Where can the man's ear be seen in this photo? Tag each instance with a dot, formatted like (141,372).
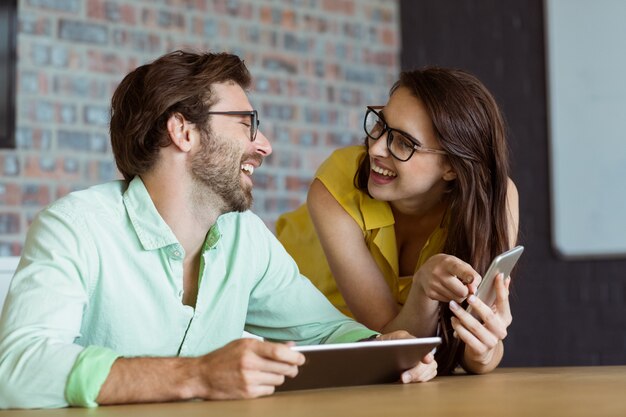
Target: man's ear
(179,131)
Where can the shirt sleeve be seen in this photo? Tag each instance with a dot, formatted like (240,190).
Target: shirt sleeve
(39,360)
(337,174)
(285,306)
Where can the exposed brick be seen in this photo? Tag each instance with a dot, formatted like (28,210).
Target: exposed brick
(316,64)
(82,141)
(72,6)
(10,248)
(101,171)
(9,165)
(84,32)
(280,63)
(33,82)
(138,41)
(338,6)
(162,19)
(51,167)
(96,115)
(10,194)
(197,5)
(298,184)
(34,25)
(9,223)
(108,62)
(35,195)
(112,11)
(235,8)
(79,86)
(33,138)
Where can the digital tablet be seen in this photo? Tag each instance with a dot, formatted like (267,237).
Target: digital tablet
(359,363)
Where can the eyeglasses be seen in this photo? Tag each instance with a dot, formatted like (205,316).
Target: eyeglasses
(400,144)
(254,119)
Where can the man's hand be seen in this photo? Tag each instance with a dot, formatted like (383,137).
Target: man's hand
(246,368)
(423,371)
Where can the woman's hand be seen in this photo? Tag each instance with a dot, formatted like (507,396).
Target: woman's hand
(446,277)
(483,341)
(424,371)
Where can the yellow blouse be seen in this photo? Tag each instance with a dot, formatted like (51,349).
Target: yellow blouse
(296,232)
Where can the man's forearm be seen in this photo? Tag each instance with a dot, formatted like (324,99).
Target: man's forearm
(138,380)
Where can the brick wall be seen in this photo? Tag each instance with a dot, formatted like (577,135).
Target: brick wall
(316,64)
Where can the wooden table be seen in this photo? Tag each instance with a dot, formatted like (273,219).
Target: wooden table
(529,392)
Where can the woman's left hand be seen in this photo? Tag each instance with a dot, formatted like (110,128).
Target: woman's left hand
(483,341)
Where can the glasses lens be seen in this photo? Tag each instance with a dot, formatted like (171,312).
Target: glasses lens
(374,126)
(254,125)
(400,146)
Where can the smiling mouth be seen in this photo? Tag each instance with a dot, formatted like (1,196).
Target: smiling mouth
(248,169)
(383,171)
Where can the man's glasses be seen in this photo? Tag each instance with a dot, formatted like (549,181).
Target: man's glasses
(254,120)
(400,144)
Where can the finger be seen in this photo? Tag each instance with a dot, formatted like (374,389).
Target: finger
(495,321)
(452,290)
(502,300)
(276,368)
(471,340)
(464,272)
(422,372)
(471,324)
(279,352)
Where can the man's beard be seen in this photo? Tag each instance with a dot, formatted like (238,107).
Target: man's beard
(217,166)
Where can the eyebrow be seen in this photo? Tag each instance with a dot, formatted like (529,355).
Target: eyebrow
(409,136)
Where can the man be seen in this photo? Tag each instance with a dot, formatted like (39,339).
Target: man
(138,290)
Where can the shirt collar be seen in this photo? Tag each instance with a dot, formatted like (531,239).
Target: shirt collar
(376,214)
(150,227)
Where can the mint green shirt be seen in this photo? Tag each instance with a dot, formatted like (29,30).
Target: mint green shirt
(101,276)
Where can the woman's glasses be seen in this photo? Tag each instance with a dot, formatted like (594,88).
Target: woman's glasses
(400,144)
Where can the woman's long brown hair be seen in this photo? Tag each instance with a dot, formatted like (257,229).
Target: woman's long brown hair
(470,128)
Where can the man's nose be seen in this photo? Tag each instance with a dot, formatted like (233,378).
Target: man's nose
(262,144)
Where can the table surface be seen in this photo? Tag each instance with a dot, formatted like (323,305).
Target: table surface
(534,392)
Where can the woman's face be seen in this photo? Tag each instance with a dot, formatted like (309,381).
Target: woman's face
(421,179)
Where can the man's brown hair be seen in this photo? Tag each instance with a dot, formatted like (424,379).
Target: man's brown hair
(179,82)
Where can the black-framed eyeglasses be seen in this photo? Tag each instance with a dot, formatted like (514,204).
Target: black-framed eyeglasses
(254,119)
(400,144)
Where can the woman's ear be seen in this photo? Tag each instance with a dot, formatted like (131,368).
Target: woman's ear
(178,129)
(449,174)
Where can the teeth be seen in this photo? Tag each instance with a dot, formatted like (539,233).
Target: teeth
(247,168)
(383,171)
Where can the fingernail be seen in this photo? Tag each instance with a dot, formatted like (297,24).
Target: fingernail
(453,305)
(471,299)
(406,378)
(469,280)
(455,335)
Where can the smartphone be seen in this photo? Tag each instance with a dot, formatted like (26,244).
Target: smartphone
(501,264)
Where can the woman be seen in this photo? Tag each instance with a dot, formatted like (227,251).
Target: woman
(397,232)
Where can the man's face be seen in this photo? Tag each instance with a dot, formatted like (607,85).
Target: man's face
(226,160)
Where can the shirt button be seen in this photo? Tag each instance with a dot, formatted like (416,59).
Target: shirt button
(180,293)
(177,253)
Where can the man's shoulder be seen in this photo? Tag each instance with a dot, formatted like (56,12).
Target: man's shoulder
(96,199)
(241,219)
